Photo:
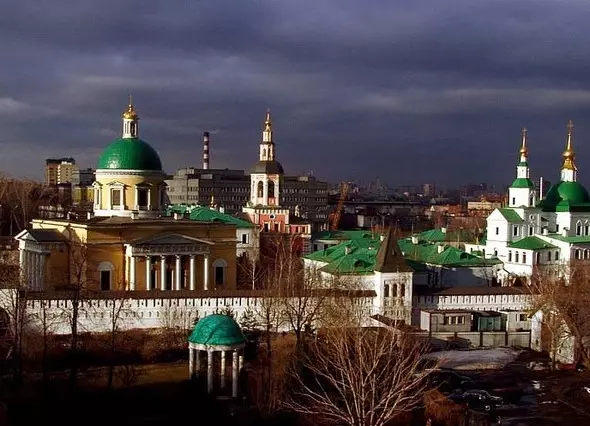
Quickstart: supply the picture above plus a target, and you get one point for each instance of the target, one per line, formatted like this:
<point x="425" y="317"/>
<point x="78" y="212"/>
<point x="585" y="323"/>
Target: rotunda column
<point x="148" y="273"/>
<point x="222" y="369"/>
<point x="191" y="363"/>
<point x="192" y="274"/>
<point x="177" y="272"/>
<point x="235" y="367"/>
<point x="206" y="272"/>
<point x="209" y="371"/>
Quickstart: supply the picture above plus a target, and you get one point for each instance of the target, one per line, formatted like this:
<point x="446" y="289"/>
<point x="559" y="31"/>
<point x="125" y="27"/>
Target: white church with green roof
<point x="532" y="232"/>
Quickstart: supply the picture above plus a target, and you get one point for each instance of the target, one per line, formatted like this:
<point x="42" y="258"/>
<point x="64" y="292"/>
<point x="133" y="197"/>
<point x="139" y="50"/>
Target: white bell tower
<point x="522" y="191"/>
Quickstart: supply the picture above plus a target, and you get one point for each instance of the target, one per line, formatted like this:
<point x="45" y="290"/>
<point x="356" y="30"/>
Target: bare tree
<point x="119" y="309"/>
<point x="15" y="297"/>
<point x="358" y="376"/>
<point x="563" y="295"/>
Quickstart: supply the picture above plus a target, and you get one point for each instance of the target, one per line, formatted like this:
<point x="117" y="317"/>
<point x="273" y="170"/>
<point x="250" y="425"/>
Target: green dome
<point x="217" y="330"/>
<point x="562" y="193"/>
<point x="130" y="154"/>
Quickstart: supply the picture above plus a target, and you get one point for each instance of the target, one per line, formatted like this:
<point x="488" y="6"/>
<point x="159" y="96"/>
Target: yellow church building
<point x="127" y="243"/>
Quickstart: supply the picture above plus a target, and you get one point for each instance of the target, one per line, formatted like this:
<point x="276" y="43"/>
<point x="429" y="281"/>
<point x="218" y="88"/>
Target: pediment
<point x="170" y="239"/>
<point x="116" y="183"/>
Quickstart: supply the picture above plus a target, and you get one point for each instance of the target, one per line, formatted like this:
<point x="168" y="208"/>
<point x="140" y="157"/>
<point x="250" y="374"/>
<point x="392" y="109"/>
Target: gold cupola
<point x="267" y="122"/>
<point x="129" y="113"/>
<point x="569" y="156"/>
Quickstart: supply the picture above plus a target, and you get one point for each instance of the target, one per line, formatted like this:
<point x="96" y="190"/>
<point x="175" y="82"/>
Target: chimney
<point x="347" y="250"/>
<point x="205" y="150"/>
<point x="177" y="216"/>
<point x="381" y="237"/>
<point x="440" y="248"/>
<point x="564" y="232"/>
<point x="221" y="209"/>
<point x="414" y="239"/>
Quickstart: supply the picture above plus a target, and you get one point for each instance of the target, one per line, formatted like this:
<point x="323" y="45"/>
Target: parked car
<point x="476" y="399"/>
<point x="449" y="380"/>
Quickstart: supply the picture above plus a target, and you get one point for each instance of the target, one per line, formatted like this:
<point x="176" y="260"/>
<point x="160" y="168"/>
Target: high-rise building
<point x="59" y="170"/>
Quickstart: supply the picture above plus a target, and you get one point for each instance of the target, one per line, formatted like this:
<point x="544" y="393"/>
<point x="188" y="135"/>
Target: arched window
<point x="260" y="189"/>
<point x="264" y="154"/>
<point x="105" y="270"/>
<point x="271" y="189"/>
<point x="579" y="228"/>
<point x="219" y="266"/>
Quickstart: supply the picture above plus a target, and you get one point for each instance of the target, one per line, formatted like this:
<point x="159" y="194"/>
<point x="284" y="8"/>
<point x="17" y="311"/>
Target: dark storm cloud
<point x="410" y="91"/>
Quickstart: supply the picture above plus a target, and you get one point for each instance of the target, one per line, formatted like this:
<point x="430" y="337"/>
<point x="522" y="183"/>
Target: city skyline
<point x="412" y="93"/>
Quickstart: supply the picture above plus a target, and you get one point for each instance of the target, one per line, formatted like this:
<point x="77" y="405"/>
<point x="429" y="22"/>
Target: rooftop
<point x="532" y="243"/>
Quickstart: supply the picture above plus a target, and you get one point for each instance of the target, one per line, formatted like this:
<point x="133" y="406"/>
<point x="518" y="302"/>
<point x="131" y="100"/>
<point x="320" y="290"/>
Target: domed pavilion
<point x="218" y="336"/>
<point x="129" y="175"/>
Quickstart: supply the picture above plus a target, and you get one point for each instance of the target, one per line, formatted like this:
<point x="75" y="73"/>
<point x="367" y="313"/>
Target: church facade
<point x="127" y="243"/>
<point x="531" y="233"/>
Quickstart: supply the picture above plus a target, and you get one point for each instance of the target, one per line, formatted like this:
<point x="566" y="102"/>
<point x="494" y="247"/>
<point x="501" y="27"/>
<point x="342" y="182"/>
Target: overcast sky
<point x="411" y="91"/>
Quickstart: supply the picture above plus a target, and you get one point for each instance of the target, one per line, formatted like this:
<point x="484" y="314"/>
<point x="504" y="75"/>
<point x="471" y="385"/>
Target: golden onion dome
<point x="569" y="155"/>
<point x="130" y="113"/>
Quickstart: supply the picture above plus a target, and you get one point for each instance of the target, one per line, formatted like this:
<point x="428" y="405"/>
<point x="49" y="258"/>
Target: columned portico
<point x="177" y="252"/>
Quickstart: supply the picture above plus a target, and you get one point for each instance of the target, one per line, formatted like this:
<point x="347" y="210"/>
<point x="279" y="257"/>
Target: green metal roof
<point x="510" y="215"/>
<point x="566" y="196"/>
<point x="129" y="154"/>
<point x="344" y="235"/>
<point x="522" y="183"/>
<point x="217" y="330"/>
<point x="572" y="240"/>
<point x="207" y="214"/>
<point x="531" y="243"/>
<point x="449" y="256"/>
<point x="438" y="236"/>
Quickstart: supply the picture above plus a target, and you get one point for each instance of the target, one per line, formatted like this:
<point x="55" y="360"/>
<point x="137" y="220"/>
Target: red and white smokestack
<point x="205" y="150"/>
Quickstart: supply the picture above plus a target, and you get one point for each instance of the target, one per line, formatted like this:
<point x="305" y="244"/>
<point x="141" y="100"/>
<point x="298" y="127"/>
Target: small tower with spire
<point x="267" y="146"/>
<point x="130" y="121"/>
<point x="569" y="170"/>
<point x="522" y="191"/>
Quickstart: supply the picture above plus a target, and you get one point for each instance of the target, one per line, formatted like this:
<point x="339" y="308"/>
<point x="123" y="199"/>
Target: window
<point x="579" y="229"/>
<point x="538" y="257"/>
<point x="509" y="256"/>
<point x="557" y="227"/>
<point x="105" y="270"/>
<point x="260" y="191"/>
<point x="219" y="271"/>
<point x="524" y="257"/>
<point x="244" y="238"/>
<point x="556" y="255"/>
<point x="386" y="290"/>
<point x="495" y="253"/>
<point x="266" y="227"/>
<point x="531" y="230"/>
<point x="105" y="280"/>
<point x="516" y="257"/>
<point x="461" y="320"/>
<point x="271" y="189"/>
<point x="522" y="317"/>
<point x="578" y="254"/>
<point x="549" y="256"/>
<point x="513" y="201"/>
<point x="586" y="229"/>
<point x="115" y="197"/>
<point x="515" y="231"/>
<point x="142" y="197"/>
<point x="497" y="230"/>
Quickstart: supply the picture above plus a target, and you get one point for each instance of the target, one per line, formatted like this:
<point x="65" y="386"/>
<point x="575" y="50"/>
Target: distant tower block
<point x="205" y="150"/>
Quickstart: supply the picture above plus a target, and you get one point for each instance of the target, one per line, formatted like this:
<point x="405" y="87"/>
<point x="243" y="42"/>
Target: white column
<point x="222" y="369"/>
<point x="27" y="268"/>
<point x="149" y="198"/>
<point x="34" y="269"/>
<point x="136" y="204"/>
<point x="41" y="284"/>
<point x="209" y="371"/>
<point x="122" y="205"/>
<point x="234" y="372"/>
<point x="192" y="271"/>
<point x="132" y="275"/>
<point x="148" y="273"/>
<point x="191" y="363"/>
<point x="162" y="273"/>
<point x="206" y="272"/>
<point x="241" y="363"/>
<point x="177" y="270"/>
